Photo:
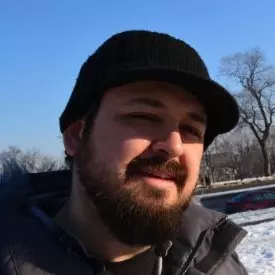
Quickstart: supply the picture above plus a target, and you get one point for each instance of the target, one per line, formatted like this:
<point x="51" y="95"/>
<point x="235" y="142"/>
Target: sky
<point x="44" y="43"/>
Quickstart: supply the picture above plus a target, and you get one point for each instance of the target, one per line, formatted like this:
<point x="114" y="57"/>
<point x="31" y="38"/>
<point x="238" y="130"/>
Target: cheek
<point x="116" y="147"/>
<point x="131" y="148"/>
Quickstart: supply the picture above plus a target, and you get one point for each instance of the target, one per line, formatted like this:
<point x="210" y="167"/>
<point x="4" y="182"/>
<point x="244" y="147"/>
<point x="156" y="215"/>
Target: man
<point x="140" y="116"/>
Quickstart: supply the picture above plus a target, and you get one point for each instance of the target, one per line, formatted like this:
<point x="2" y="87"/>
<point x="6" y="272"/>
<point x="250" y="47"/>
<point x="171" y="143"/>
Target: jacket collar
<point x="207" y="237"/>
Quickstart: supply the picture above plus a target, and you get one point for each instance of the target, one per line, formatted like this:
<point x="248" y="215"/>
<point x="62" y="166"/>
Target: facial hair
<point x="134" y="212"/>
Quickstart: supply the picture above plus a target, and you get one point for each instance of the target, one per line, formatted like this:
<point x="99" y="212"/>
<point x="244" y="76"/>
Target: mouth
<point x="159" y="176"/>
<point x="159" y="181"/>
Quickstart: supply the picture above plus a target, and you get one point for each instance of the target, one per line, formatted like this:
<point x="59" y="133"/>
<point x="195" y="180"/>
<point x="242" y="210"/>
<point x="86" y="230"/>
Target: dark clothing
<point x="31" y="244"/>
<point x="141" y="264"/>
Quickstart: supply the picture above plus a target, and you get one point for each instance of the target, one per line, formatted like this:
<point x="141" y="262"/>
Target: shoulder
<point x="211" y="239"/>
<point x="231" y="265"/>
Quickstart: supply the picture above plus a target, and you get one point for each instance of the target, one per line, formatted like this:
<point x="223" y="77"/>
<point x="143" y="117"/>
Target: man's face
<point x="140" y="160"/>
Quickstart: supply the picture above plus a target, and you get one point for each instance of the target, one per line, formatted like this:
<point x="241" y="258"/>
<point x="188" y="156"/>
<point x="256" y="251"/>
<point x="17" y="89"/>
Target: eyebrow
<point x="195" y="116"/>
<point x="147" y="101"/>
<point x="200" y="118"/>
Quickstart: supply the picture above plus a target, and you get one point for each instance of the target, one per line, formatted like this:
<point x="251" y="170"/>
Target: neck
<point x="80" y="219"/>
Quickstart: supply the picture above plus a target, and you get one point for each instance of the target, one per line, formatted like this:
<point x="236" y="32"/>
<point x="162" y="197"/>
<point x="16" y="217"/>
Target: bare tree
<point x="222" y="158"/>
<point x="271" y="148"/>
<point x="256" y="81"/>
<point x="235" y="155"/>
<point x="31" y="160"/>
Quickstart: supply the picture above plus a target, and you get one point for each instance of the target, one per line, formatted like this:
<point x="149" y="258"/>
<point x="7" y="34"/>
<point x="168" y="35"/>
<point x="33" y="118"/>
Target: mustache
<point x="157" y="166"/>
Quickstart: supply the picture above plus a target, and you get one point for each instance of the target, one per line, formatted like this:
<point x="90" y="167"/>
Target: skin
<point x="140" y="119"/>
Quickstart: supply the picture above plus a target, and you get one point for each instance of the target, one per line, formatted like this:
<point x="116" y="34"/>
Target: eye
<point x="191" y="131"/>
<point x="144" y="117"/>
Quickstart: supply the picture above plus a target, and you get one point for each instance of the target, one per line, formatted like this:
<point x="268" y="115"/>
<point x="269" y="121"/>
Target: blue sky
<point x="43" y="44"/>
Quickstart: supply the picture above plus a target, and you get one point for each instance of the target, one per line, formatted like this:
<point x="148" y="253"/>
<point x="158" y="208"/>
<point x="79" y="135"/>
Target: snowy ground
<point x="249" y="180"/>
<point x="257" y="250"/>
<point x="262" y="180"/>
<point x="255" y="216"/>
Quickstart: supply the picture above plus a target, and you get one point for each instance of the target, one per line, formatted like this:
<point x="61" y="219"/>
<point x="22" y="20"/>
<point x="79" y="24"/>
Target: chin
<point x="151" y="197"/>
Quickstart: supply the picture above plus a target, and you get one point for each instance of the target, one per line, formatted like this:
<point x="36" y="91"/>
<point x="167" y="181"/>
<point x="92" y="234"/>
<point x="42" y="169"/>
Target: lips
<point x="160" y="176"/>
<point x="157" y="167"/>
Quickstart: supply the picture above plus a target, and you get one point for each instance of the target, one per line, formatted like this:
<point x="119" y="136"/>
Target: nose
<point x="172" y="145"/>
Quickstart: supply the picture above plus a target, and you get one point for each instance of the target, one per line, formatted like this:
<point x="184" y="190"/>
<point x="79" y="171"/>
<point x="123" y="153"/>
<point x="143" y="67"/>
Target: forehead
<point x="158" y="95"/>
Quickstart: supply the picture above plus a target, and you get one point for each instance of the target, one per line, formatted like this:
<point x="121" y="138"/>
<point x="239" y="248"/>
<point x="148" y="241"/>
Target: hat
<point x="145" y="55"/>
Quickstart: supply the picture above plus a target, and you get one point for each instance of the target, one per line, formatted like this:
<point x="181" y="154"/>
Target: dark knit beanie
<point x="144" y="55"/>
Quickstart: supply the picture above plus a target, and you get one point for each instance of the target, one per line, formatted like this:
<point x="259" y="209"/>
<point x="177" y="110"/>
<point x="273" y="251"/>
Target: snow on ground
<point x="257" y="250"/>
<point x="248" y="180"/>
<point x="262" y="180"/>
<point x="253" y="216"/>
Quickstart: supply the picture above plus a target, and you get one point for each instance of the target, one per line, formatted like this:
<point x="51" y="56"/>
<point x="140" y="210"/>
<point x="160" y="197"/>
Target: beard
<point x="133" y="211"/>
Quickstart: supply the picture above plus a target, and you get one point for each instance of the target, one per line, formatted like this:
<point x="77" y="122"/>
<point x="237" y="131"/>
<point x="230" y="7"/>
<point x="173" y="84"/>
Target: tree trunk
<point x="209" y="169"/>
<point x="266" y="159"/>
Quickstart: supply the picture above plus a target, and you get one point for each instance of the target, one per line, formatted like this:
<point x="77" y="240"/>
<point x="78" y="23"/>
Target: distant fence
<point x="217" y="200"/>
<point x="234" y="185"/>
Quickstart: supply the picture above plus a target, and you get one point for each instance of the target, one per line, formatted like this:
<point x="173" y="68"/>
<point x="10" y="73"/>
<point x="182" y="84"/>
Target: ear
<point x="72" y="137"/>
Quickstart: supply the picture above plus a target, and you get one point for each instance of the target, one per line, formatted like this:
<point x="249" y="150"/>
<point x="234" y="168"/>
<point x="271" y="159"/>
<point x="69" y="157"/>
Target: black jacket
<point x="30" y="246"/>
